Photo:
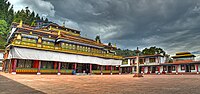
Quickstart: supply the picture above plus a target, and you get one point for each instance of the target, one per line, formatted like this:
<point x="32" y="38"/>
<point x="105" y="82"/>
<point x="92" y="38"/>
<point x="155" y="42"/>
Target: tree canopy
<point x="152" y="51"/>
<point x="6" y="11"/>
<point x="7" y="16"/>
<point x="27" y="17"/>
<point x="127" y="52"/>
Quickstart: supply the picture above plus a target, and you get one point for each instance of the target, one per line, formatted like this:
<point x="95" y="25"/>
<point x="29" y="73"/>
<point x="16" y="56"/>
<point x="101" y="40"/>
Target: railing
<point x="96" y="71"/>
<point x="46" y="71"/>
<point x="26" y="70"/>
<point x="73" y="51"/>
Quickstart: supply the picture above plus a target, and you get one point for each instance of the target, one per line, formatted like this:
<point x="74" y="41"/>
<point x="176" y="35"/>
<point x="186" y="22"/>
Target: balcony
<point x="30" y="44"/>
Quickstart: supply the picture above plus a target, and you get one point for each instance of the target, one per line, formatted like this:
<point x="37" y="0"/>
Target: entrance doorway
<point x="187" y="68"/>
<point x="153" y="69"/>
<point x="169" y="69"/>
<point x="83" y="68"/>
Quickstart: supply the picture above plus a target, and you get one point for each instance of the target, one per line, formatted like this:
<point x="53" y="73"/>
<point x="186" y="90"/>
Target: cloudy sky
<point x="173" y="25"/>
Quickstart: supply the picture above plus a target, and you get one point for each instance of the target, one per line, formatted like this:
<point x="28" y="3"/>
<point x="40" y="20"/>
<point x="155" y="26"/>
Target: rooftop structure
<point x="50" y="46"/>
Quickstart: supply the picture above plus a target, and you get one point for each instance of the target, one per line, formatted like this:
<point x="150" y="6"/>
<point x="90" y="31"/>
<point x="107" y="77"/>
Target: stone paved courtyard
<point x="99" y="84"/>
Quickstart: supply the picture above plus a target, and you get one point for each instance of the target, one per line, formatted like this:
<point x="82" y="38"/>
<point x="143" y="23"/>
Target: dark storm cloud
<point x="170" y="24"/>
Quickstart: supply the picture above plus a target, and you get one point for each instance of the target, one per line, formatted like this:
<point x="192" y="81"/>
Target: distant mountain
<point x="196" y="52"/>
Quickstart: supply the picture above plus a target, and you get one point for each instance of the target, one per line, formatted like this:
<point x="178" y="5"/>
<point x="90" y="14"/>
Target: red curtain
<point x="35" y="63"/>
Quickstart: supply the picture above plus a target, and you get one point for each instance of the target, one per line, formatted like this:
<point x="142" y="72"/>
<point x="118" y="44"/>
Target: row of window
<point x="68" y="46"/>
<point x="81" y="48"/>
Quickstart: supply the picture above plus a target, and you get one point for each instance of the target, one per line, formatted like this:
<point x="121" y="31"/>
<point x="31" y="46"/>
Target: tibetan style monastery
<point x="183" y="62"/>
<point x="50" y="48"/>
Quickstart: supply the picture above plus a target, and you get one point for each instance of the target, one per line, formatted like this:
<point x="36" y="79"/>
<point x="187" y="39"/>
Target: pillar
<point x="39" y="65"/>
<point x="90" y="68"/>
<point x="197" y="67"/>
<point x="119" y="70"/>
<point x="59" y="65"/>
<point x="130" y="69"/>
<point x="158" y="69"/>
<point x="111" y="70"/>
<point x="101" y="69"/>
<point x="55" y="65"/>
<point x="143" y="69"/>
<point x="14" y="64"/>
<point x="75" y="66"/>
<point x="177" y="69"/>
<point x="164" y="70"/>
<point x="148" y="70"/>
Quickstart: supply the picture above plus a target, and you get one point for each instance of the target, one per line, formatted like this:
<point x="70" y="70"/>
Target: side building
<point x="1" y="59"/>
<point x="183" y="62"/>
<point x="50" y="48"/>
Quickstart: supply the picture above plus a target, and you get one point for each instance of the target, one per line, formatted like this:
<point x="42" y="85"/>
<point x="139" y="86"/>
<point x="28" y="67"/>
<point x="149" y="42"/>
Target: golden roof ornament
<point x="114" y="45"/>
<point x="64" y="24"/>
<point x="50" y="28"/>
<point x="59" y="33"/>
<point x="20" y="23"/>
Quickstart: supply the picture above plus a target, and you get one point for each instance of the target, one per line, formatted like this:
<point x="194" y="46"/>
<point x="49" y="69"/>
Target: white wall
<point x="1" y="58"/>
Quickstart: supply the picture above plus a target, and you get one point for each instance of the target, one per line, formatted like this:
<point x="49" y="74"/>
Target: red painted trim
<point x="158" y="69"/>
<point x="177" y="68"/>
<point x="59" y="65"/>
<point x="119" y="69"/>
<point x="14" y="64"/>
<point x="75" y="66"/>
<point x="197" y="67"/>
<point x="35" y="63"/>
<point x="110" y="69"/>
<point x="55" y="65"/>
<point x="39" y="65"/>
<point x="107" y="67"/>
<point x="90" y="68"/>
<point x="101" y="68"/>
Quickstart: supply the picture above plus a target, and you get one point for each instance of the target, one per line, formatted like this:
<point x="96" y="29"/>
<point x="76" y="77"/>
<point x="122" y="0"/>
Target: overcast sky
<point x="173" y="25"/>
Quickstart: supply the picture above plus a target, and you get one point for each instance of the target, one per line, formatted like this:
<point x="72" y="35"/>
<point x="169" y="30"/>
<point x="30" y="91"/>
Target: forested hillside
<point x="7" y="16"/>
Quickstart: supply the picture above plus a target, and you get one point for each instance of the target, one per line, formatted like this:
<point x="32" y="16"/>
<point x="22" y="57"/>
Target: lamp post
<point x="137" y="61"/>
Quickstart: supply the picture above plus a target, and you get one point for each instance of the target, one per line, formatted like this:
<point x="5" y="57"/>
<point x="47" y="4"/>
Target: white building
<point x="182" y="63"/>
<point x="1" y="59"/>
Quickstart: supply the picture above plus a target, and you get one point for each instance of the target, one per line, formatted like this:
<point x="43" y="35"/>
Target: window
<point x="47" y="64"/>
<point x="173" y="68"/>
<point x="141" y="61"/>
<point x="135" y="68"/>
<point x="74" y="47"/>
<point x="0" y="64"/>
<point x="125" y="62"/>
<point x="86" y="49"/>
<point x="192" y="66"/>
<point x="182" y="67"/>
<point x="77" y="47"/>
<point x="89" y="49"/>
<point x="152" y="60"/>
<point x="164" y="68"/>
<point x="63" y="45"/>
<point x="24" y="64"/>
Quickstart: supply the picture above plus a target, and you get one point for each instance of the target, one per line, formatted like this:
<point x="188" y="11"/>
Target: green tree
<point x="46" y="20"/>
<point x="6" y="11"/>
<point x="152" y="51"/>
<point x="97" y="39"/>
<point x="126" y="52"/>
<point x="27" y="17"/>
<point x="3" y="33"/>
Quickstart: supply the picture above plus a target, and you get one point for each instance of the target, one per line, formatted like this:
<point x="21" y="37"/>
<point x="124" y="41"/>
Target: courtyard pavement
<point x="99" y="84"/>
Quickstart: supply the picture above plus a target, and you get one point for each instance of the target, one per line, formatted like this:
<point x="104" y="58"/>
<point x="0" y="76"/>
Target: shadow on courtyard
<point x="8" y="86"/>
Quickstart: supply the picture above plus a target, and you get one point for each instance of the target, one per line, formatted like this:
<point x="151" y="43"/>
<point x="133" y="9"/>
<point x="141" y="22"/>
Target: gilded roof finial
<point x="59" y="33"/>
<point x="50" y="28"/>
<point x="20" y="23"/>
<point x="64" y="24"/>
<point x="114" y="45"/>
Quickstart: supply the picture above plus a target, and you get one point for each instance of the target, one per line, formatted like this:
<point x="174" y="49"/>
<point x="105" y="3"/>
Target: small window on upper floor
<point x="152" y="60"/>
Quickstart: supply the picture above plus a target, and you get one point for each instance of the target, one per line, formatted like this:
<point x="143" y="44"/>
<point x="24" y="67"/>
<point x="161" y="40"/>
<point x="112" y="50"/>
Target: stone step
<point x="81" y="74"/>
